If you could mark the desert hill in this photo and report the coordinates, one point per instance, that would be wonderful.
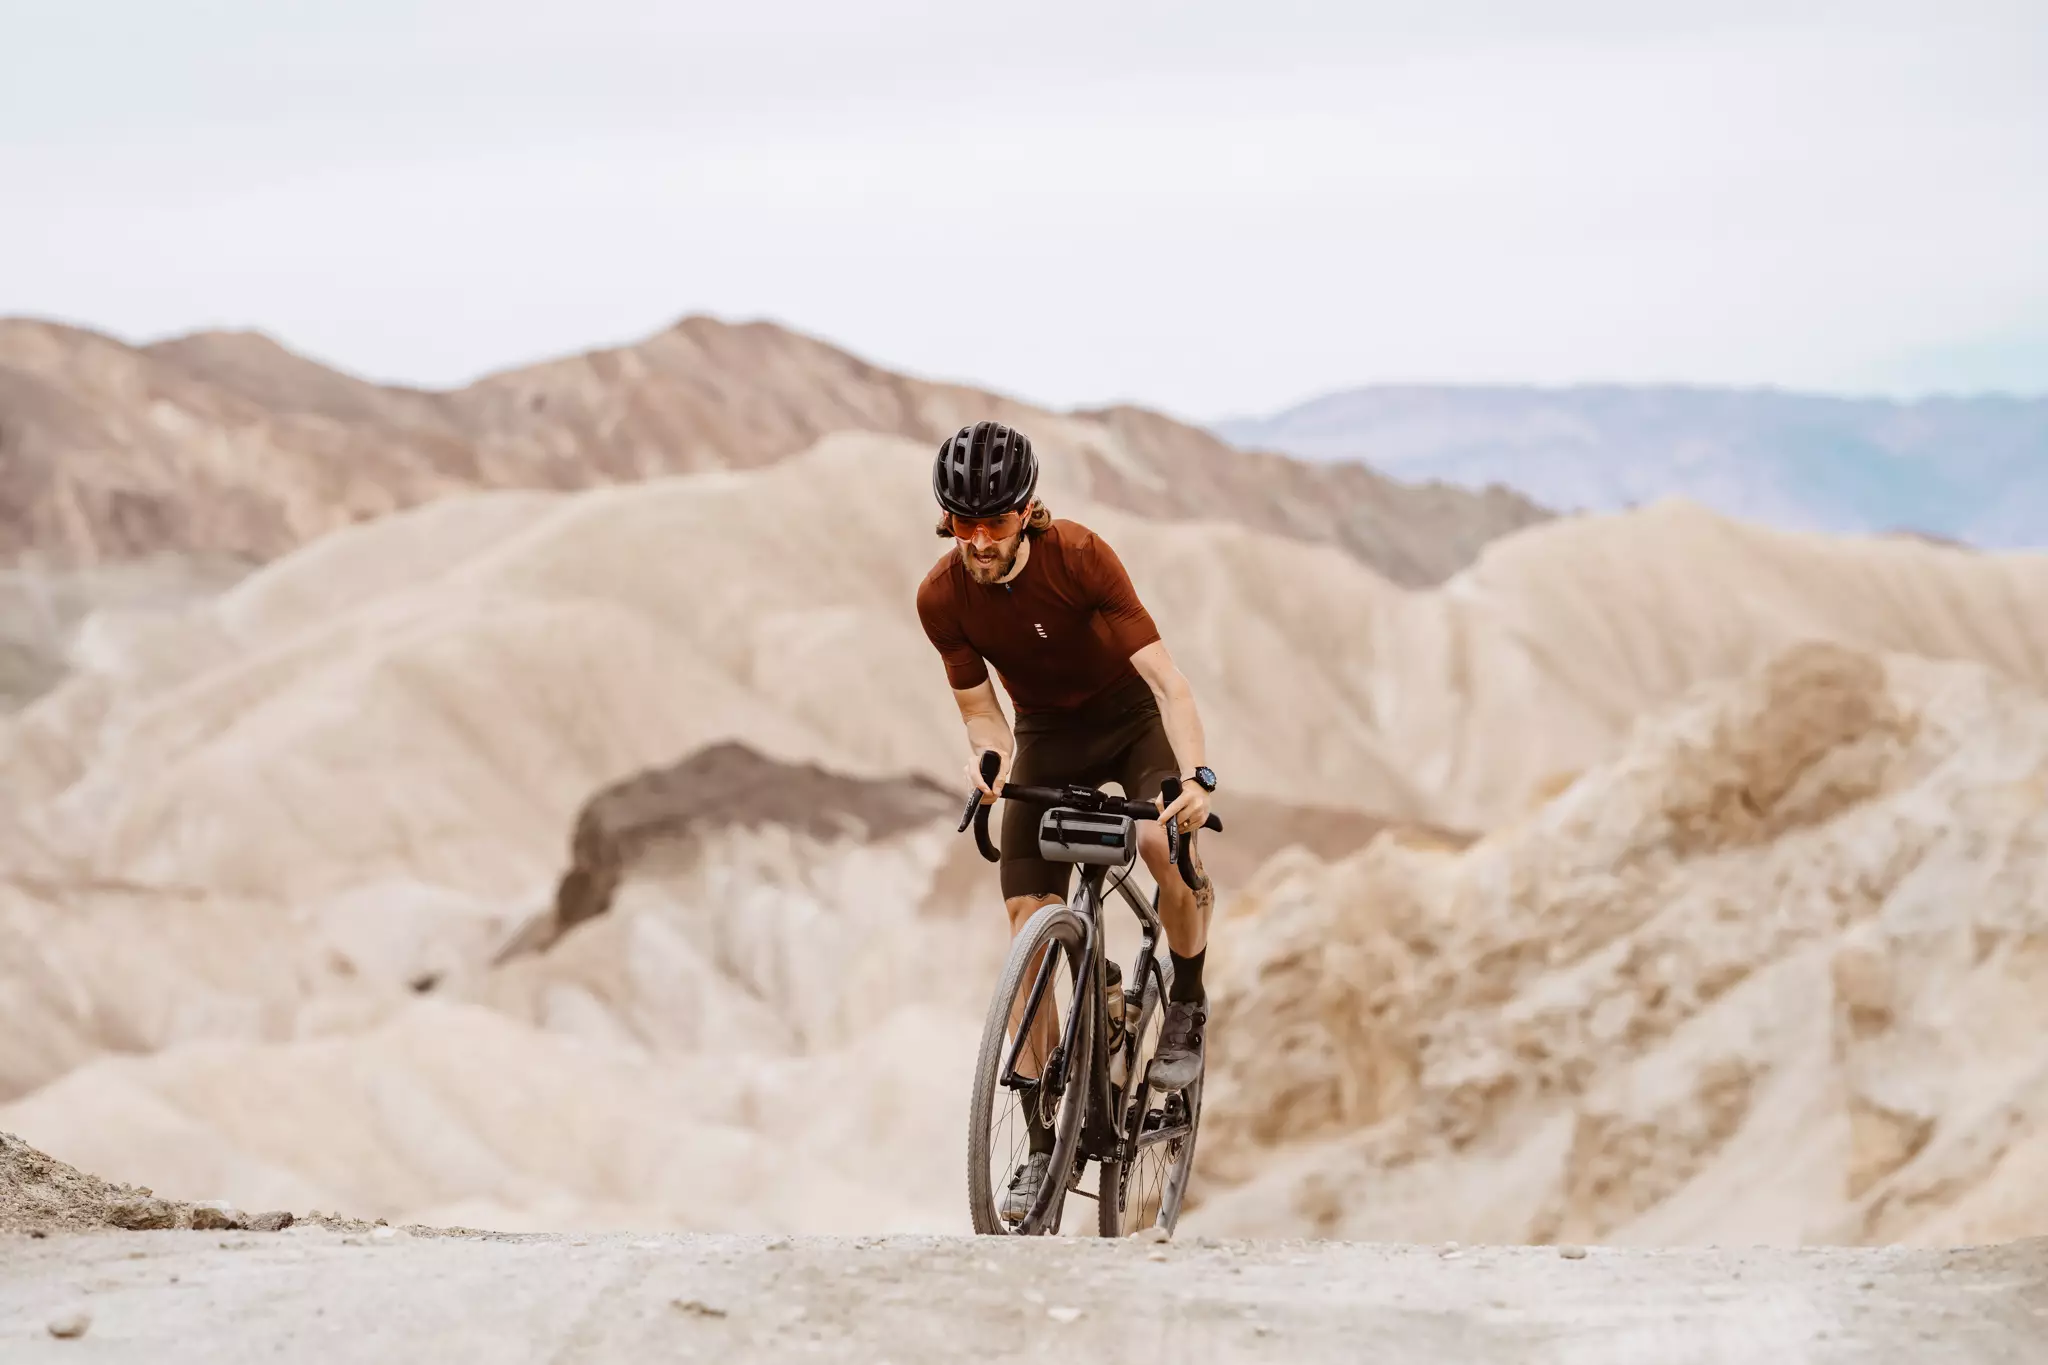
(230, 444)
(267, 850)
(1769, 974)
(478, 666)
(42, 609)
(1540, 658)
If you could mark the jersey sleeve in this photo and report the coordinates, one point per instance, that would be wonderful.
(964, 665)
(1130, 626)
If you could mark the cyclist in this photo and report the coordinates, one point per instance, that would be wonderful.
(1097, 697)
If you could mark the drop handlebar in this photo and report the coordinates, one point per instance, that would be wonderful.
(1180, 847)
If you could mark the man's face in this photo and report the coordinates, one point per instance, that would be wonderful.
(988, 545)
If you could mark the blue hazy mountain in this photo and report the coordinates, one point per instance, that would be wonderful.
(1973, 469)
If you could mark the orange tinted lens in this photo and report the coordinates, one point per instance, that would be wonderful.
(998, 528)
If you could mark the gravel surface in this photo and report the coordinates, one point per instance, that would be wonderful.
(356, 1293)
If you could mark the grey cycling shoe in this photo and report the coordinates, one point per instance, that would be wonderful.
(1022, 1195)
(1178, 1063)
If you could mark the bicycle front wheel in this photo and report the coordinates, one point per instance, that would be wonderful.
(1026, 1077)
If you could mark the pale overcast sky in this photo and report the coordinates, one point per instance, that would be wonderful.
(1210, 208)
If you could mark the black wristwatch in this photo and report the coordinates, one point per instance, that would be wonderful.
(1205, 778)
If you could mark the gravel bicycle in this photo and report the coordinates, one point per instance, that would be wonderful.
(1068, 1041)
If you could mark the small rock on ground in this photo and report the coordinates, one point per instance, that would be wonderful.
(276, 1221)
(213, 1217)
(70, 1325)
(138, 1215)
(1572, 1253)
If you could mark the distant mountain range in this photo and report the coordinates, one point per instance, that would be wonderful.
(1969, 469)
(228, 444)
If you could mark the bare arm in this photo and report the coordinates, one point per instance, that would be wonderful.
(1176, 707)
(987, 728)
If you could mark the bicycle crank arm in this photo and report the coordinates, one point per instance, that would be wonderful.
(1153, 1137)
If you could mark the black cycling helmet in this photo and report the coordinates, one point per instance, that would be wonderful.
(985, 470)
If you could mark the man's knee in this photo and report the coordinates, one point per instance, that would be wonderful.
(1022, 908)
(1152, 844)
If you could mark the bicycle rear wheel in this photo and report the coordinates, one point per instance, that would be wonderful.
(1148, 1190)
(1037, 994)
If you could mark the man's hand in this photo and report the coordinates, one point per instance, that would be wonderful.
(1191, 808)
(987, 789)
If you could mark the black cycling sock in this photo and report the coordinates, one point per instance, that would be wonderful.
(1187, 978)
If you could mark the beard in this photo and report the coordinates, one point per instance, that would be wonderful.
(992, 565)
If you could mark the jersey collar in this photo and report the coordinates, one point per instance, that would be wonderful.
(1017, 569)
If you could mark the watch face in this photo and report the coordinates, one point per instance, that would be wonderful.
(1206, 778)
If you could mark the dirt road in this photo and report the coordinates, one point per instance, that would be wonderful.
(316, 1293)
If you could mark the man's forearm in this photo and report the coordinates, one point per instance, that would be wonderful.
(987, 727)
(990, 732)
(1184, 728)
(1176, 706)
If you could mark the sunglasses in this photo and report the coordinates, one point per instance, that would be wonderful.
(995, 528)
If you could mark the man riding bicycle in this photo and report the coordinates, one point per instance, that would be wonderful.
(1097, 697)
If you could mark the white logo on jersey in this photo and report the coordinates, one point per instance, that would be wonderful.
(1040, 628)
